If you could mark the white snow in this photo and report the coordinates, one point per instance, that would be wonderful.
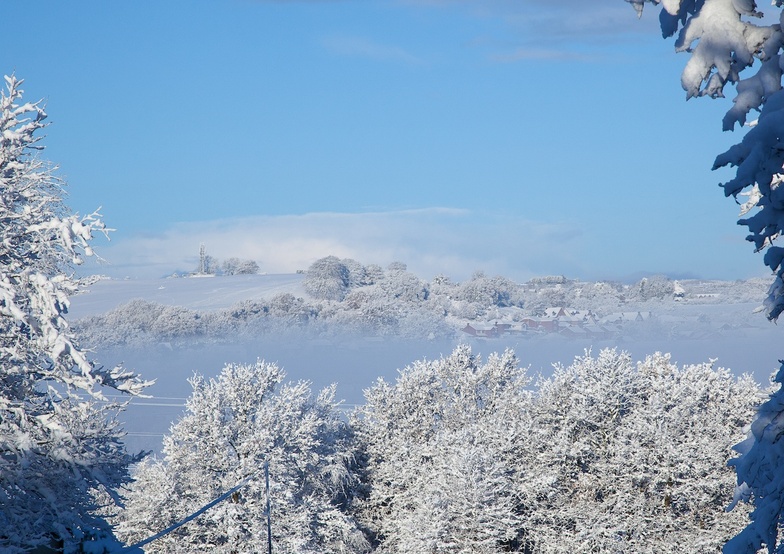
(188, 292)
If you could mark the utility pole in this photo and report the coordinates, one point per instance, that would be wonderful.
(269, 518)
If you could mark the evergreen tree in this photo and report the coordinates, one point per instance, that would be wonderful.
(59, 451)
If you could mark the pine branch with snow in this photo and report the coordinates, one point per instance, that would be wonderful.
(724, 43)
(59, 450)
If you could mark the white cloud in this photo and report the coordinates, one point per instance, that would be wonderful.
(365, 48)
(430, 241)
(576, 20)
(548, 30)
(522, 54)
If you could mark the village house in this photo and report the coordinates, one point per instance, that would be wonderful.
(568, 322)
(482, 331)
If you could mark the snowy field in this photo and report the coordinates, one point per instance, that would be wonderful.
(203, 293)
(355, 363)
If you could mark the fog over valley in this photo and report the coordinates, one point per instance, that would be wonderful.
(547, 321)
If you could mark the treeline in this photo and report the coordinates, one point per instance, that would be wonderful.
(210, 265)
(345, 296)
(458, 455)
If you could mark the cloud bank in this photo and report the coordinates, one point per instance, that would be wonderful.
(431, 241)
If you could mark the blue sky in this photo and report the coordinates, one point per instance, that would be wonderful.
(519, 137)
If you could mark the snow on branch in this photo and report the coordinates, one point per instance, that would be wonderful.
(724, 42)
(62, 452)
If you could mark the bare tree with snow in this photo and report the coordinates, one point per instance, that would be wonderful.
(444, 450)
(605, 456)
(632, 457)
(232, 426)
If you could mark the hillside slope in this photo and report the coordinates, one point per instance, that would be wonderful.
(196, 293)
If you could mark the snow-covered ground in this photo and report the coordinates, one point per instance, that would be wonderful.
(201, 293)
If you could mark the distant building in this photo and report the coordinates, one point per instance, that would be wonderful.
(483, 331)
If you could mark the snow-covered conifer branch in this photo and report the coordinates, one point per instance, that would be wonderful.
(726, 45)
(723, 43)
(60, 451)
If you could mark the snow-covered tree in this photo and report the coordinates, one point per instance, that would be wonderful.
(357, 273)
(290, 309)
(633, 458)
(490, 291)
(403, 286)
(175, 322)
(327, 279)
(444, 450)
(759, 477)
(236, 266)
(232, 426)
(373, 273)
(59, 451)
(464, 501)
(605, 456)
(657, 287)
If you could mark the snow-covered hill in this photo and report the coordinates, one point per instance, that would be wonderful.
(197, 293)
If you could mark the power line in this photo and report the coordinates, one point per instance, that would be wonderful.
(136, 548)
